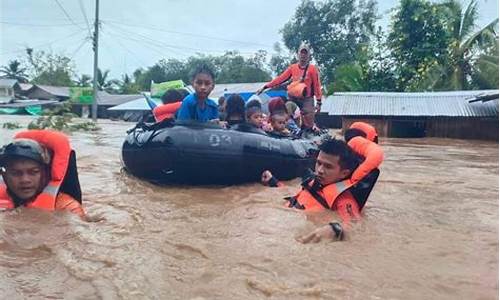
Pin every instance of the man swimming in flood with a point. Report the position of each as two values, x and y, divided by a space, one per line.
344 176
39 171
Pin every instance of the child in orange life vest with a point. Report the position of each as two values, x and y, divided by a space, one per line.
330 189
172 100
33 176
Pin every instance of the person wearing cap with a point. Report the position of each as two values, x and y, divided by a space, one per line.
39 171
305 81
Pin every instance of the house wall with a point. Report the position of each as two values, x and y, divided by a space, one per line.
463 128
459 128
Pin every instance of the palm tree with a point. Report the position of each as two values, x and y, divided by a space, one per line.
466 48
14 71
84 81
103 83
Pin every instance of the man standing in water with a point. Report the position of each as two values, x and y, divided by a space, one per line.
334 184
305 83
39 171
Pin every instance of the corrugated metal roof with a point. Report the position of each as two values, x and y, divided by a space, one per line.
221 89
7 82
436 104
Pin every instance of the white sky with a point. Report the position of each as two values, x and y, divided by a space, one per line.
138 33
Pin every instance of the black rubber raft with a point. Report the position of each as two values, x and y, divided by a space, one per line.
195 153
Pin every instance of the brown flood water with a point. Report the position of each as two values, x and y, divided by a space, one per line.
430 231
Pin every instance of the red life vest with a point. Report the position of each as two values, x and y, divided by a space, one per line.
59 144
369 130
166 111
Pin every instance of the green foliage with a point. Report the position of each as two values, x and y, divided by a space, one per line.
103 83
61 119
231 67
13 70
418 39
372 72
336 30
11 125
84 81
50 68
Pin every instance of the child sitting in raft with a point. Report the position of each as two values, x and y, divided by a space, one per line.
235 110
278 123
253 113
294 118
198 107
172 100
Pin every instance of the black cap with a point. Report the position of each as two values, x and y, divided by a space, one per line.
24 148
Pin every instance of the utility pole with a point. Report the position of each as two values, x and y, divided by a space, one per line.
96 47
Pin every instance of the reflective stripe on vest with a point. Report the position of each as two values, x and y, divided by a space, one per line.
330 193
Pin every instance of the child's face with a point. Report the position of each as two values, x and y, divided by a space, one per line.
256 119
203 85
279 123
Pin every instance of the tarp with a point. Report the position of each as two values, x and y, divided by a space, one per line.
158 89
34 110
139 104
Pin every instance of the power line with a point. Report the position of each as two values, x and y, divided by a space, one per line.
190 34
66 14
153 41
131 53
82 8
84 40
45 44
36 25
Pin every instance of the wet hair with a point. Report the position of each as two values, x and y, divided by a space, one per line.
348 159
276 106
252 107
203 69
276 116
221 100
235 105
353 132
172 96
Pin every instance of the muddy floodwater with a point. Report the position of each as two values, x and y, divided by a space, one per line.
430 231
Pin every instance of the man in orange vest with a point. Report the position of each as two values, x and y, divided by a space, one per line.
305 85
39 171
343 179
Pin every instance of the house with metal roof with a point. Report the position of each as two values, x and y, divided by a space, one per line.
456 114
8 89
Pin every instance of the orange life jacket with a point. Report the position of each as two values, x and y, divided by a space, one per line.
166 111
312 199
63 155
369 130
360 184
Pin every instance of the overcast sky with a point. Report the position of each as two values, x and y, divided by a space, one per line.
138 33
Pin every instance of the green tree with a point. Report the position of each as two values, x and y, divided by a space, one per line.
418 40
372 72
84 81
280 61
105 84
127 86
336 30
50 68
233 68
472 59
485 71
13 70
